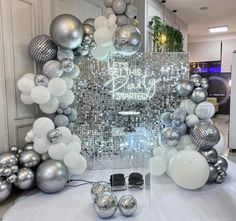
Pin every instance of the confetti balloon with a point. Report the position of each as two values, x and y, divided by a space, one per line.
42 49
205 135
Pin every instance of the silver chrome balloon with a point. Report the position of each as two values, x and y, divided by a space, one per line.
211 155
165 119
122 20
67 65
54 136
14 168
184 87
25 179
205 135
12 178
7 172
45 156
8 159
65 53
5 189
67 31
131 11
170 136
127 205
222 162
119 6
213 174
89 21
196 79
221 177
105 204
41 80
42 48
52 176
98 188
199 94
14 149
127 39
29 146
29 158
87 40
89 29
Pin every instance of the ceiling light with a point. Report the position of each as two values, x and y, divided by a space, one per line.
219 29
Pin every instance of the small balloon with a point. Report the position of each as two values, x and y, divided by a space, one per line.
54 136
131 11
25 179
212 175
67 65
119 6
199 95
99 188
29 159
5 189
184 87
210 155
127 205
41 80
89 21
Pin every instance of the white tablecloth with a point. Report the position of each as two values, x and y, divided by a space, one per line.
164 202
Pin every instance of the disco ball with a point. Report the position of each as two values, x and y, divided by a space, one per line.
42 49
205 135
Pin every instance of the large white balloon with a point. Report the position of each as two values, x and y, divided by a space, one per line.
42 126
67 98
69 82
25 84
26 99
75 162
57 87
189 169
74 146
205 110
158 166
40 95
103 36
76 139
51 106
41 145
66 135
57 151
184 141
220 146
100 21
169 153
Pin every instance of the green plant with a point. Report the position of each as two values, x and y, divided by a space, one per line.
165 37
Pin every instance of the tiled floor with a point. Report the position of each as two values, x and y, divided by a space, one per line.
222 122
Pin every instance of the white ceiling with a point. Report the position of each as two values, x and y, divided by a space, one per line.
219 13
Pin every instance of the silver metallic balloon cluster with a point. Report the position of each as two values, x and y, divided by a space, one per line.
106 203
99 123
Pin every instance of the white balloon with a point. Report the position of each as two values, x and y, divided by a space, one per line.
188 105
69 82
29 75
220 146
41 145
184 141
51 106
57 87
40 95
108 12
191 120
27 139
57 151
205 110
100 21
67 98
74 73
42 126
169 153
189 169
25 84
103 36
191 147
75 162
26 98
30 134
112 20
158 151
74 146
100 53
66 135
158 166
76 139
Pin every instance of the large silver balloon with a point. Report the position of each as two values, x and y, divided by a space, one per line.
89 21
98 188
211 155
184 87
119 6
29 158
29 146
222 162
199 94
127 39
54 136
127 205
170 136
89 29
42 49
5 189
67 31
25 179
196 79
213 174
105 204
41 80
205 135
8 159
52 176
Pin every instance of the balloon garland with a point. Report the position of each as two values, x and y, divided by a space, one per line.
52 151
190 142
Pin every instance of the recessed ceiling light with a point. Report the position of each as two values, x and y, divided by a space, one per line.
219 29
203 8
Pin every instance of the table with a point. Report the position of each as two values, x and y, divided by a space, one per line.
164 202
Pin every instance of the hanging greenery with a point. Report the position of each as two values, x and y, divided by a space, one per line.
165 37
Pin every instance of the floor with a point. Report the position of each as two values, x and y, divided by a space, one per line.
221 121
